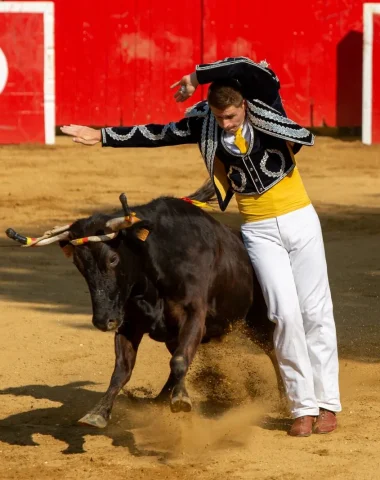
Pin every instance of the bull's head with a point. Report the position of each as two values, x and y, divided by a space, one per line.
106 251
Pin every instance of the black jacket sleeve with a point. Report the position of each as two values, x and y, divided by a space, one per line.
151 135
257 81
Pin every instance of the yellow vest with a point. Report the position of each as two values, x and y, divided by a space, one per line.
287 195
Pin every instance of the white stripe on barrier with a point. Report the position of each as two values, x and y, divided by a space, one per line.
47 9
369 10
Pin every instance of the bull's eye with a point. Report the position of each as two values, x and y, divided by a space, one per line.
113 260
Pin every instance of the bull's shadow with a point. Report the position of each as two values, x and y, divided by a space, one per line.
60 422
134 411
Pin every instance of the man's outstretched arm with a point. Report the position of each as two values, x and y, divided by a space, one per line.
151 135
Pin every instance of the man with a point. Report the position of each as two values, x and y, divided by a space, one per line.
248 145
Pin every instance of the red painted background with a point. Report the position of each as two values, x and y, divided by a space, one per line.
22 101
116 59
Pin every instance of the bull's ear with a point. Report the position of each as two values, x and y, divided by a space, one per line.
141 230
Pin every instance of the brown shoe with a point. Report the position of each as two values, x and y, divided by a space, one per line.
326 422
302 426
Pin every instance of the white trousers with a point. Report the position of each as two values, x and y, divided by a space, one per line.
288 256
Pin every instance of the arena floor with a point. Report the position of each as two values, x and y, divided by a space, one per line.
55 365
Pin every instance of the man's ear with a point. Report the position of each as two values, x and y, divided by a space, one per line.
141 230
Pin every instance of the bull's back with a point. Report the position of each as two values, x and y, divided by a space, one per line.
206 254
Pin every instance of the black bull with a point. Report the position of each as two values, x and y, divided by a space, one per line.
188 282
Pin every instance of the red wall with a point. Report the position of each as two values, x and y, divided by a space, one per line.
115 60
315 47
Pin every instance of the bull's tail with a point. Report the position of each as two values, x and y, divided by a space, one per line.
204 197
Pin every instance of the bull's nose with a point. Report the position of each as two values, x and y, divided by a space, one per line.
112 325
105 325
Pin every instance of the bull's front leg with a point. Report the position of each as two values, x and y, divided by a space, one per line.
190 336
126 345
166 390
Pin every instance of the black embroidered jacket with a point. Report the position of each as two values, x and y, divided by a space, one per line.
268 159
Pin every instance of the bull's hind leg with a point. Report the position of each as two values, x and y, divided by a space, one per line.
126 345
190 336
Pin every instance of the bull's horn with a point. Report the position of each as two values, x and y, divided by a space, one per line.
56 230
95 238
31 241
49 240
129 218
124 204
122 222
17 237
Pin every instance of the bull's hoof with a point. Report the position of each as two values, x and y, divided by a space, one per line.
93 420
180 403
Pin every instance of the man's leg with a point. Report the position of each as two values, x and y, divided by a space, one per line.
308 262
273 269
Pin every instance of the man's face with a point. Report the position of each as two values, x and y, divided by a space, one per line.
230 118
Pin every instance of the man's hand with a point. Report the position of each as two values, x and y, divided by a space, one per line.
188 84
81 134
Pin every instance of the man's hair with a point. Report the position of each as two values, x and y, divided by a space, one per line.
225 93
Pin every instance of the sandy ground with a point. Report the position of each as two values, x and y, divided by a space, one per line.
55 365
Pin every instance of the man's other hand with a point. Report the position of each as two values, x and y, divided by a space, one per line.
187 86
81 134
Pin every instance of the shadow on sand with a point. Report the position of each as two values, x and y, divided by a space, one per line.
130 414
61 422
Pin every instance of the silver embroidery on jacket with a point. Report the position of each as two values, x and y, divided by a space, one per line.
263 163
203 138
286 137
148 134
159 136
120 138
177 131
243 178
265 112
151 136
280 129
211 143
